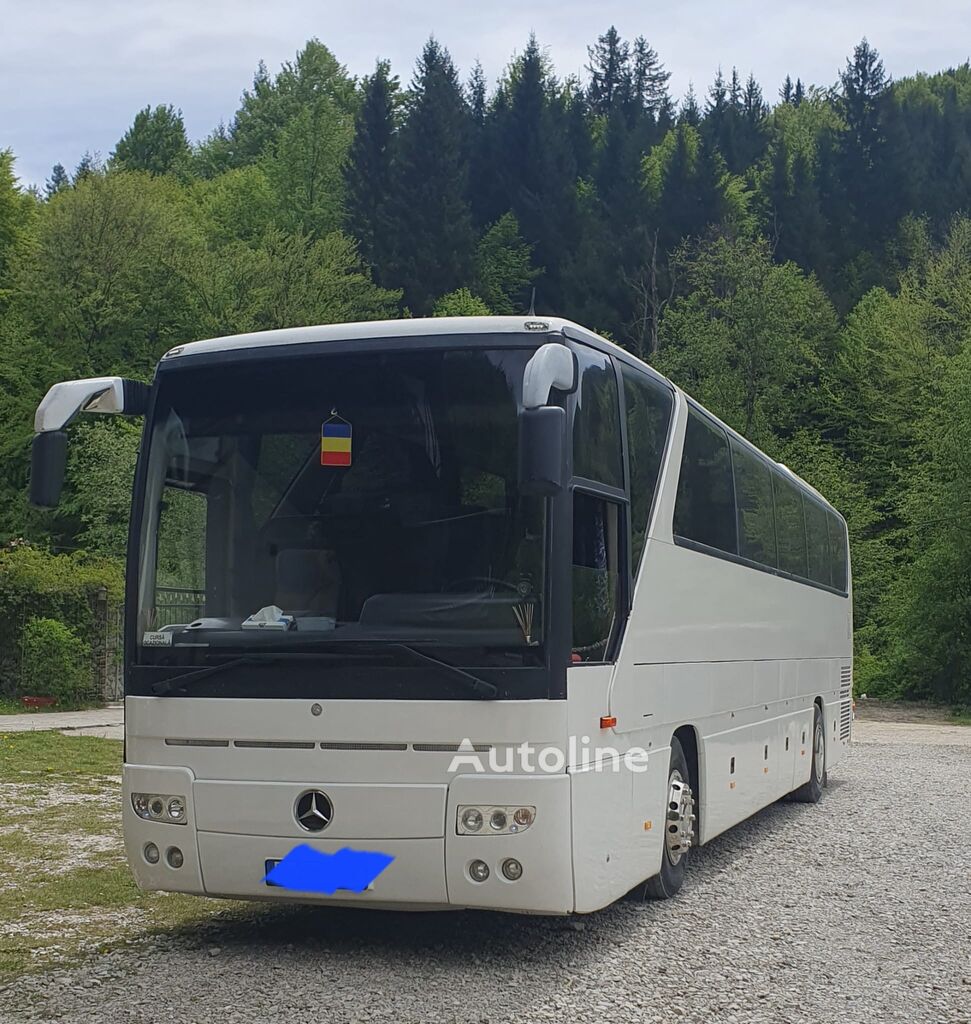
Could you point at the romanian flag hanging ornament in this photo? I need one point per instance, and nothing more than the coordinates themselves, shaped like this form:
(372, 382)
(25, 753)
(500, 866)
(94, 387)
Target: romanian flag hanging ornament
(335, 441)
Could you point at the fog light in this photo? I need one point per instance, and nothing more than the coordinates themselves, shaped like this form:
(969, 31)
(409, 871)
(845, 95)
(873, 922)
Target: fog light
(524, 816)
(151, 853)
(177, 808)
(173, 856)
(512, 869)
(498, 820)
(478, 870)
(472, 820)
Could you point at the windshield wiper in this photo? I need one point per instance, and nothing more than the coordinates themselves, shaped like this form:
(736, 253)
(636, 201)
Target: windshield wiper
(165, 686)
(479, 687)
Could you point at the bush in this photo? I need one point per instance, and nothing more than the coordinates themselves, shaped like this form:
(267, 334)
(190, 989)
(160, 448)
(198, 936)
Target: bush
(34, 584)
(56, 662)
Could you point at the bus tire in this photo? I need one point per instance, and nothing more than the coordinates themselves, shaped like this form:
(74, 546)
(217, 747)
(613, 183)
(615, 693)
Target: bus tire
(679, 829)
(810, 792)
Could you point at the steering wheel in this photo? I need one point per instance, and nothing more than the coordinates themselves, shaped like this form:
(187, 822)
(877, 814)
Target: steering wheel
(491, 581)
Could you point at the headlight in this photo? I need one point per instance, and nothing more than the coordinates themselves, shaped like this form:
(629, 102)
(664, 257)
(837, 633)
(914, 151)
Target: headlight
(472, 820)
(168, 807)
(503, 820)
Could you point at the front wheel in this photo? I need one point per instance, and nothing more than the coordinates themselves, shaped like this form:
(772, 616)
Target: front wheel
(679, 829)
(810, 792)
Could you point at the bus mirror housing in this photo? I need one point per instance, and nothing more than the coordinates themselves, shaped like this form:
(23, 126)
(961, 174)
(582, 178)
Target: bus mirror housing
(541, 437)
(57, 409)
(48, 459)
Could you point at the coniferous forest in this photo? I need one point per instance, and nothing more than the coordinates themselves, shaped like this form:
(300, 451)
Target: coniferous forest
(797, 256)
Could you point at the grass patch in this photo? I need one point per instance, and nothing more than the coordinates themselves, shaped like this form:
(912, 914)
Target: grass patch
(66, 892)
(27, 755)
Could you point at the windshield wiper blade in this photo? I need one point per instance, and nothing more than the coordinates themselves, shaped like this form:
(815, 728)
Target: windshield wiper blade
(166, 686)
(479, 687)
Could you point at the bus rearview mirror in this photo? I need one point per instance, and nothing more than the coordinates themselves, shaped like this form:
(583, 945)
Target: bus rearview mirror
(541, 439)
(48, 458)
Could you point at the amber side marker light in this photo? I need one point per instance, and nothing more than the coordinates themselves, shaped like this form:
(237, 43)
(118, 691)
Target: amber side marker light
(608, 721)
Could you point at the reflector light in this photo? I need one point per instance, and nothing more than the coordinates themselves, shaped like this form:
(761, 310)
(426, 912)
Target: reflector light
(608, 721)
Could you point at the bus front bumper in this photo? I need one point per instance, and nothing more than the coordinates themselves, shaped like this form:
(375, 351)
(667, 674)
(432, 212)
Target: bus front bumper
(233, 829)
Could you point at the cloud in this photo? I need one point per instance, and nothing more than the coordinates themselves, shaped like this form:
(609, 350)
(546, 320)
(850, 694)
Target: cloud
(71, 82)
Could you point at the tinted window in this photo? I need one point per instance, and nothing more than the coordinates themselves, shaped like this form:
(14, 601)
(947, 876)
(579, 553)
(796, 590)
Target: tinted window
(790, 526)
(648, 407)
(756, 518)
(837, 550)
(705, 507)
(596, 426)
(596, 576)
(817, 536)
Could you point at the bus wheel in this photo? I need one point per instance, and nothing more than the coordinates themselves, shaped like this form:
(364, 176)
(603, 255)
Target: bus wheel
(679, 829)
(810, 792)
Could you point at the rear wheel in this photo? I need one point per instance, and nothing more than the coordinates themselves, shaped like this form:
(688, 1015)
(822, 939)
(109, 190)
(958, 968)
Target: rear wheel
(679, 829)
(810, 792)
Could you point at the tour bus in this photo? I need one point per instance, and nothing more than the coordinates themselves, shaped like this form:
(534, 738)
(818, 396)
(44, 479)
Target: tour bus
(486, 595)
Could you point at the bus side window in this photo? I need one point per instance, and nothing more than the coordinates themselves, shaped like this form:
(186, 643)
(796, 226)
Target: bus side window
(648, 410)
(704, 511)
(596, 424)
(756, 518)
(817, 535)
(596, 575)
(790, 527)
(837, 549)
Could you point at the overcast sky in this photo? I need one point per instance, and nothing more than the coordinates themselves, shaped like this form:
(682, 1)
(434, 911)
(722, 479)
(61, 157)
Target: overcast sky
(74, 72)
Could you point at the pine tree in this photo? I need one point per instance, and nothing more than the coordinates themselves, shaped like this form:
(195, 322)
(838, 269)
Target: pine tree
(785, 93)
(860, 102)
(433, 237)
(368, 177)
(799, 94)
(57, 181)
(649, 80)
(88, 165)
(610, 72)
(477, 92)
(537, 170)
(690, 112)
(156, 143)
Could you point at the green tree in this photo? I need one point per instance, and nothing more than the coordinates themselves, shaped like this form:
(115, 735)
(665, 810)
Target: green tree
(368, 176)
(930, 608)
(460, 303)
(433, 240)
(747, 337)
(99, 279)
(504, 270)
(57, 182)
(288, 280)
(156, 143)
(314, 78)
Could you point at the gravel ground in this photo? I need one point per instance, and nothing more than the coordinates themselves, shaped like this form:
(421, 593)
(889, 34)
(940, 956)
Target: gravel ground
(855, 910)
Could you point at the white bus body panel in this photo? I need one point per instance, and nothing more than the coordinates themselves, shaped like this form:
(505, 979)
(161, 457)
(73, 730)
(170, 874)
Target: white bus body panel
(402, 800)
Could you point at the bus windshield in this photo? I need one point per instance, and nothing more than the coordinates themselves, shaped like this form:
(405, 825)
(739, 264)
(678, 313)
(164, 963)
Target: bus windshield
(294, 501)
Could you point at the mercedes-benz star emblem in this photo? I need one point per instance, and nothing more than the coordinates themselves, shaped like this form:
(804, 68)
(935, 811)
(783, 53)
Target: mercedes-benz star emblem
(313, 811)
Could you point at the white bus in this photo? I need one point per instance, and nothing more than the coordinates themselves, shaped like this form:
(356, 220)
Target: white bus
(373, 566)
